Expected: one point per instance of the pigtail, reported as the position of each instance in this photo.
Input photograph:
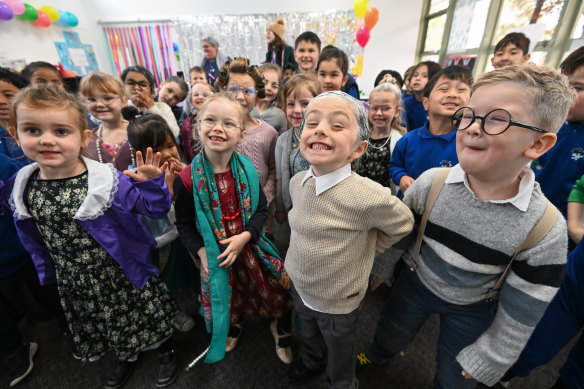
(131, 113)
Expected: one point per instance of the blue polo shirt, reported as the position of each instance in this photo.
(419, 150)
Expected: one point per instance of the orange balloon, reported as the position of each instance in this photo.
(371, 17)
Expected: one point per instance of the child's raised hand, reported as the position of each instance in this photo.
(149, 169)
(174, 169)
(235, 245)
(143, 99)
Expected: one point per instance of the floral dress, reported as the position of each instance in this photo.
(103, 308)
(254, 290)
(374, 164)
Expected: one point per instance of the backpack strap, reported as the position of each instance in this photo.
(536, 234)
(430, 200)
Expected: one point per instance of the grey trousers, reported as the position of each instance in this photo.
(328, 341)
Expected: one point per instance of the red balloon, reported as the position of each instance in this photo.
(363, 35)
(371, 17)
(43, 19)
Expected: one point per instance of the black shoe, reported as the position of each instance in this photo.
(24, 364)
(167, 369)
(298, 372)
(121, 372)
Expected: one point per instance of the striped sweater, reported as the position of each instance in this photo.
(466, 247)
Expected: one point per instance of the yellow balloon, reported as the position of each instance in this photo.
(360, 7)
(51, 12)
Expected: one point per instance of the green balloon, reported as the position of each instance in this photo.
(30, 13)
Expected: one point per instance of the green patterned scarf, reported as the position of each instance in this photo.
(210, 226)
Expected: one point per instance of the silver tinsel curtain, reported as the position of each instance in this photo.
(245, 35)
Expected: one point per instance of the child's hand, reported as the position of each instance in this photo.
(174, 169)
(405, 182)
(202, 253)
(149, 169)
(466, 375)
(143, 99)
(280, 216)
(236, 244)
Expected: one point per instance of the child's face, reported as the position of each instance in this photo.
(171, 93)
(51, 137)
(215, 137)
(447, 97)
(136, 84)
(7, 93)
(576, 113)
(496, 156)
(272, 84)
(306, 55)
(197, 77)
(105, 106)
(331, 76)
(509, 55)
(329, 136)
(246, 92)
(419, 79)
(288, 73)
(199, 94)
(168, 150)
(46, 76)
(296, 103)
(382, 110)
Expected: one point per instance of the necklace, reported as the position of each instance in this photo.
(380, 148)
(98, 147)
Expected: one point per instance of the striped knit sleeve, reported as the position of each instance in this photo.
(530, 286)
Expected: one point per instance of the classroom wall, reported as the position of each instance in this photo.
(392, 44)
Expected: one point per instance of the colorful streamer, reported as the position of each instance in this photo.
(146, 45)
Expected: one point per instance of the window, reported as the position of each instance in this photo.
(470, 28)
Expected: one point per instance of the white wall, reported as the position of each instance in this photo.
(392, 44)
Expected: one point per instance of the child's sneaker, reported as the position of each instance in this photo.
(25, 363)
(183, 322)
(364, 363)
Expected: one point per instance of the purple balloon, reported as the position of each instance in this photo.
(6, 12)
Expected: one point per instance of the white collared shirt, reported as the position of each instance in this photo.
(327, 181)
(520, 200)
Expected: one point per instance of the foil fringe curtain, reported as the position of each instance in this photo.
(149, 45)
(245, 35)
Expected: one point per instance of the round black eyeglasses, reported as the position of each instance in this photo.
(494, 122)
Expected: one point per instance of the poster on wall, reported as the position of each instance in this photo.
(76, 56)
(468, 61)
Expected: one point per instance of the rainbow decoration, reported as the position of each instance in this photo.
(147, 45)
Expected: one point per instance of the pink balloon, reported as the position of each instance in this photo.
(363, 35)
(16, 6)
(43, 19)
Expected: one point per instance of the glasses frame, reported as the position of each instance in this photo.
(100, 100)
(242, 90)
(132, 84)
(203, 123)
(482, 126)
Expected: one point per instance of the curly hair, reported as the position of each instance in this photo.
(240, 65)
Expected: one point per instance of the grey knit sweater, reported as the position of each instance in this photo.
(466, 246)
(335, 236)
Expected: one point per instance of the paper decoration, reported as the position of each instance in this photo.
(75, 56)
(245, 35)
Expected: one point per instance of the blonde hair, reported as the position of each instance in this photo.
(103, 82)
(229, 96)
(389, 84)
(302, 80)
(550, 92)
(45, 97)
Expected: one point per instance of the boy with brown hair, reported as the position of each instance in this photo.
(472, 267)
(513, 49)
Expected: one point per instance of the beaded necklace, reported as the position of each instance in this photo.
(380, 148)
(99, 143)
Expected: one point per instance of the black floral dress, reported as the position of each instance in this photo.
(103, 308)
(374, 164)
